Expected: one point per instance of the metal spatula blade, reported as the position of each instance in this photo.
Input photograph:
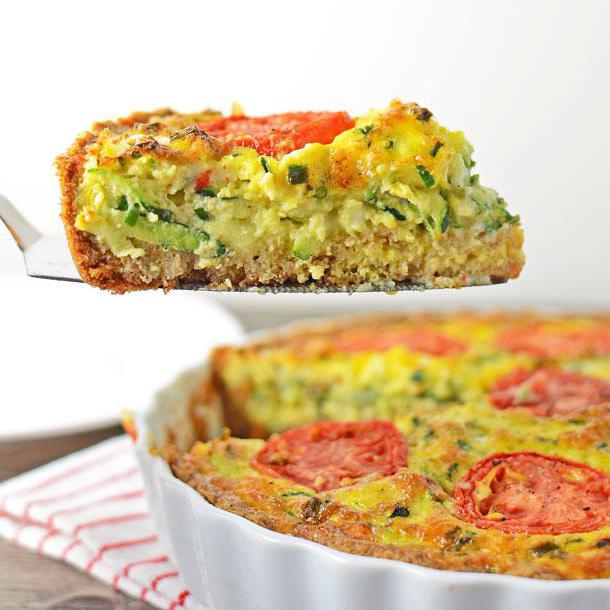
(48, 257)
(45, 256)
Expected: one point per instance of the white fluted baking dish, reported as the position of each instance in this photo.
(230, 563)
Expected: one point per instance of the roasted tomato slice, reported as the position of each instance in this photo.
(533, 493)
(546, 392)
(423, 340)
(538, 341)
(326, 455)
(278, 134)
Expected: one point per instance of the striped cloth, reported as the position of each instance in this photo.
(89, 510)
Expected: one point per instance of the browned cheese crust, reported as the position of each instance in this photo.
(316, 527)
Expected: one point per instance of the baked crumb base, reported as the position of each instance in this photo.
(452, 261)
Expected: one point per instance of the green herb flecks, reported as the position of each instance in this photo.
(573, 541)
(132, 216)
(446, 220)
(122, 204)
(290, 494)
(320, 192)
(415, 209)
(398, 215)
(221, 249)
(544, 548)
(482, 205)
(426, 177)
(437, 146)
(297, 174)
(492, 225)
(366, 129)
(577, 421)
(452, 470)
(202, 214)
(500, 206)
(548, 441)
(161, 213)
(456, 538)
(462, 444)
(426, 219)
(265, 164)
(207, 192)
(370, 194)
(510, 218)
(389, 144)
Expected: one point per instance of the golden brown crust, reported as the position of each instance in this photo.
(234, 417)
(94, 266)
(218, 492)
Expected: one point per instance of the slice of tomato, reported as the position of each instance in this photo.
(533, 493)
(427, 341)
(202, 180)
(546, 391)
(540, 342)
(278, 134)
(326, 455)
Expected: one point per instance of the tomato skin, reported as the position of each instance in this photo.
(278, 134)
(536, 341)
(327, 455)
(203, 179)
(427, 341)
(547, 392)
(533, 493)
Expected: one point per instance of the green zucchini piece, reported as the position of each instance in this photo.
(166, 234)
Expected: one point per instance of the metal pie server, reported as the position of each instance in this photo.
(45, 256)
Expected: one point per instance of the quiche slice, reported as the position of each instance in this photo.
(389, 366)
(313, 200)
(462, 489)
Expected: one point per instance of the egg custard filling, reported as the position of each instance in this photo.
(465, 488)
(460, 441)
(315, 199)
(390, 366)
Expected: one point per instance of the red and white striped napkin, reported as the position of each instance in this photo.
(89, 509)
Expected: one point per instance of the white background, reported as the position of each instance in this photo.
(528, 82)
